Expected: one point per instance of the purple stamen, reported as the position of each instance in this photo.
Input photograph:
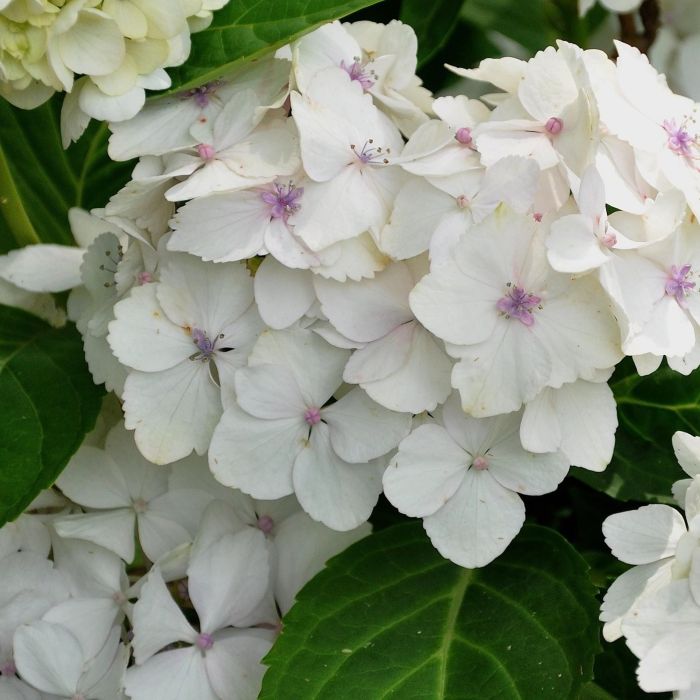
(554, 126)
(312, 416)
(201, 340)
(517, 303)
(202, 94)
(464, 135)
(283, 200)
(204, 641)
(373, 155)
(679, 140)
(480, 463)
(677, 283)
(357, 71)
(266, 523)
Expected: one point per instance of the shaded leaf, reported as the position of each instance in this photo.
(40, 182)
(49, 402)
(433, 23)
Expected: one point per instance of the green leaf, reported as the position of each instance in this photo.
(245, 30)
(49, 402)
(39, 181)
(650, 410)
(592, 691)
(390, 618)
(433, 22)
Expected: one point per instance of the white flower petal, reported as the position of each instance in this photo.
(478, 522)
(644, 535)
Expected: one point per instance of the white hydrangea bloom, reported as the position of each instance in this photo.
(282, 436)
(463, 476)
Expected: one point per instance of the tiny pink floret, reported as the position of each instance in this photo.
(140, 505)
(266, 524)
(312, 416)
(144, 278)
(480, 463)
(554, 126)
(537, 216)
(206, 151)
(464, 135)
(519, 304)
(204, 641)
(8, 669)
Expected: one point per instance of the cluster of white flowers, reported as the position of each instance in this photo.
(332, 284)
(655, 605)
(201, 602)
(120, 47)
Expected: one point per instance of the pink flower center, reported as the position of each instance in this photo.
(537, 216)
(144, 278)
(554, 126)
(140, 505)
(283, 200)
(480, 463)
(519, 304)
(119, 598)
(462, 201)
(312, 416)
(464, 135)
(266, 524)
(358, 72)
(204, 641)
(680, 141)
(206, 151)
(677, 283)
(8, 668)
(370, 154)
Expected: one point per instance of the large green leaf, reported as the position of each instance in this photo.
(390, 618)
(433, 22)
(650, 410)
(247, 29)
(49, 402)
(39, 181)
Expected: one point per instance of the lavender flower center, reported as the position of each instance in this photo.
(312, 416)
(480, 463)
(283, 200)
(677, 283)
(204, 641)
(680, 141)
(204, 344)
(201, 95)
(8, 668)
(266, 523)
(357, 72)
(464, 135)
(518, 304)
(554, 126)
(140, 505)
(371, 154)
